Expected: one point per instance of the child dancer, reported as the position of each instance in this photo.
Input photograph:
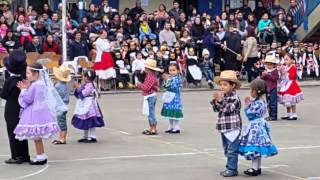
(87, 115)
(172, 106)
(290, 93)
(63, 76)
(227, 103)
(38, 119)
(271, 76)
(149, 88)
(256, 142)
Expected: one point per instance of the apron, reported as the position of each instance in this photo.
(145, 106)
(83, 106)
(195, 72)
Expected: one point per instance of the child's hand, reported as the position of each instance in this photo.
(264, 73)
(217, 96)
(165, 76)
(76, 85)
(247, 101)
(23, 84)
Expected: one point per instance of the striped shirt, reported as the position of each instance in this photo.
(228, 112)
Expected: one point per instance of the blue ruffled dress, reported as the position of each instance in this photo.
(256, 141)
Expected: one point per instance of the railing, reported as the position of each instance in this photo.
(298, 16)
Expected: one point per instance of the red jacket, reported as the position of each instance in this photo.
(53, 48)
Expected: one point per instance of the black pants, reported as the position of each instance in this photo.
(272, 100)
(19, 149)
(249, 64)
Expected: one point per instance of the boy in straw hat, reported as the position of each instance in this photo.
(227, 103)
(149, 88)
(271, 76)
(63, 76)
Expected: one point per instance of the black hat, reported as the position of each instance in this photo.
(16, 62)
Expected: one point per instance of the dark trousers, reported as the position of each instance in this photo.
(272, 100)
(19, 149)
(249, 67)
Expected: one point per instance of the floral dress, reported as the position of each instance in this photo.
(173, 109)
(256, 141)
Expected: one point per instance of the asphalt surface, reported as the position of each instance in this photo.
(123, 153)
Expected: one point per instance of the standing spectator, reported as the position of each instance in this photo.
(105, 8)
(232, 40)
(46, 9)
(245, 9)
(78, 47)
(293, 4)
(7, 14)
(275, 8)
(259, 10)
(34, 45)
(136, 10)
(50, 46)
(250, 52)
(167, 35)
(175, 11)
(91, 14)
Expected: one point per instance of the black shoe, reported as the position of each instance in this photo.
(91, 140)
(211, 85)
(252, 172)
(285, 117)
(38, 162)
(292, 118)
(13, 161)
(82, 140)
(168, 131)
(175, 132)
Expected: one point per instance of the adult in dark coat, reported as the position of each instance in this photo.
(232, 40)
(16, 66)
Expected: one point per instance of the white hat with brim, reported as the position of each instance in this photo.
(63, 73)
(151, 64)
(270, 59)
(228, 75)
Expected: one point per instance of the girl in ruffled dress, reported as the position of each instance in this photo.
(87, 115)
(255, 142)
(172, 106)
(40, 104)
(290, 93)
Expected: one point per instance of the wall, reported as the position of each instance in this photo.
(152, 5)
(285, 4)
(313, 21)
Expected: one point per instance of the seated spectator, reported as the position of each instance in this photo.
(55, 28)
(3, 31)
(26, 32)
(10, 42)
(105, 8)
(34, 45)
(167, 35)
(3, 50)
(145, 31)
(7, 14)
(161, 15)
(130, 30)
(21, 11)
(50, 46)
(265, 27)
(91, 13)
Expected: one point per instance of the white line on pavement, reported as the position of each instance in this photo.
(312, 178)
(130, 157)
(298, 147)
(33, 174)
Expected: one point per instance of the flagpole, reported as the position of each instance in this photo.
(64, 33)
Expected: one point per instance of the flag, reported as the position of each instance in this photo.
(305, 15)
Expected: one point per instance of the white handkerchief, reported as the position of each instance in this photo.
(168, 96)
(232, 135)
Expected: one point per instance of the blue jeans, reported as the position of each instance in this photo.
(231, 151)
(207, 72)
(272, 100)
(152, 107)
(62, 121)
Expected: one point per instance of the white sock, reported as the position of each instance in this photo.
(176, 126)
(256, 163)
(170, 124)
(86, 134)
(92, 133)
(41, 157)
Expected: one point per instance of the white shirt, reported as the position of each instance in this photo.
(102, 45)
(138, 65)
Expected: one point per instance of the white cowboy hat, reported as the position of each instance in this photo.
(270, 59)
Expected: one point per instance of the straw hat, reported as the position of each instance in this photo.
(62, 73)
(151, 64)
(270, 59)
(228, 75)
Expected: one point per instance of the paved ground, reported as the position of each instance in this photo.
(122, 153)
